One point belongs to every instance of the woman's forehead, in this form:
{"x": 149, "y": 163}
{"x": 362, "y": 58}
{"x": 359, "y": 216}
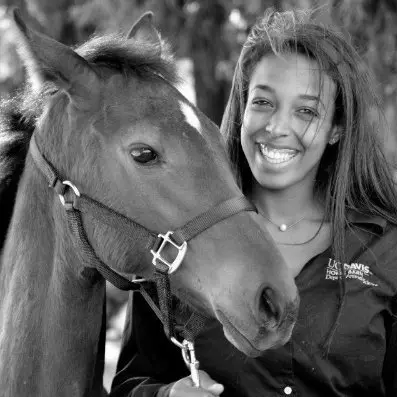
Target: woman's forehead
{"x": 295, "y": 73}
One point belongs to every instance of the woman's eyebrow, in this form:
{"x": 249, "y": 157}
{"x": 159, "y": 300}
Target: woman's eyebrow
{"x": 315, "y": 98}
{"x": 263, "y": 87}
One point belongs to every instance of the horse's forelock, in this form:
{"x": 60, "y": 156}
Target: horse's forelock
{"x": 128, "y": 57}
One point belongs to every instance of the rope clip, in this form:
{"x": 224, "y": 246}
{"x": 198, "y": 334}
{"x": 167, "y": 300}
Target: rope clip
{"x": 189, "y": 356}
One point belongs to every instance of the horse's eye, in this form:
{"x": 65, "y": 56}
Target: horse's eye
{"x": 144, "y": 155}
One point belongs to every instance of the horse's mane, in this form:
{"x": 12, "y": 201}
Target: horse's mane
{"x": 15, "y": 133}
{"x": 18, "y": 115}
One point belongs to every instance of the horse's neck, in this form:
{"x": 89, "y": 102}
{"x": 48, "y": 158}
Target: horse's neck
{"x": 50, "y": 319}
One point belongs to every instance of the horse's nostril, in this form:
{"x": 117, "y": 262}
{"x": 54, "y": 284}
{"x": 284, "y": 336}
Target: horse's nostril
{"x": 267, "y": 304}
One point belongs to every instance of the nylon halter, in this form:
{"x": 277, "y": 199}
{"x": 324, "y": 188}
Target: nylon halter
{"x": 76, "y": 204}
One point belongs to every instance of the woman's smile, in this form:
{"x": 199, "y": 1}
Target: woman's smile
{"x": 277, "y": 155}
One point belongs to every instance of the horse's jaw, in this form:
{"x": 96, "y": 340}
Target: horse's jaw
{"x": 253, "y": 344}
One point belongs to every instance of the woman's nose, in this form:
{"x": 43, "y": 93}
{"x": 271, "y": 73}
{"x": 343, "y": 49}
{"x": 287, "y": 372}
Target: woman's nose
{"x": 278, "y": 124}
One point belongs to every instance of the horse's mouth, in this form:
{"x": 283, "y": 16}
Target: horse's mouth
{"x": 255, "y": 347}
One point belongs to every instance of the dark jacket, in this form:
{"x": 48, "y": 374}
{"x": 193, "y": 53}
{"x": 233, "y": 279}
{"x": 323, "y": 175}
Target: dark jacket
{"x": 337, "y": 348}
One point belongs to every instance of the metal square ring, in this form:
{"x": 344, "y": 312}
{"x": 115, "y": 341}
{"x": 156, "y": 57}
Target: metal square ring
{"x": 179, "y": 257}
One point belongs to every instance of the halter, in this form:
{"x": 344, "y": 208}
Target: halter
{"x": 76, "y": 204}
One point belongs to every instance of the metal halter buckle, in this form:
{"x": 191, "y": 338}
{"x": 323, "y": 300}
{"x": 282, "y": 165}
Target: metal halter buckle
{"x": 179, "y": 257}
{"x": 73, "y": 187}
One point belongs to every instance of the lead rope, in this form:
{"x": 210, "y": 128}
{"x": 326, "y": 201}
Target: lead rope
{"x": 188, "y": 332}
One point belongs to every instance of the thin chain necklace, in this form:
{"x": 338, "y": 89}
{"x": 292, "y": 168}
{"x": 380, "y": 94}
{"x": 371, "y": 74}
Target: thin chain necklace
{"x": 307, "y": 241}
{"x": 283, "y": 227}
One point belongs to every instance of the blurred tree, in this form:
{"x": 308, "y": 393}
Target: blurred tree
{"x": 213, "y": 32}
{"x": 207, "y": 50}
{"x": 372, "y": 25}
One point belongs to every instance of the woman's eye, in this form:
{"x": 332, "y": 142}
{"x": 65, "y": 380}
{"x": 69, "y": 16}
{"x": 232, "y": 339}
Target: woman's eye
{"x": 143, "y": 155}
{"x": 308, "y": 112}
{"x": 262, "y": 102}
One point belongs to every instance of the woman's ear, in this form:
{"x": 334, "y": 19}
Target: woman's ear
{"x": 335, "y": 135}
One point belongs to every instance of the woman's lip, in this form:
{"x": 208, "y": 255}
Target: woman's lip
{"x": 274, "y": 147}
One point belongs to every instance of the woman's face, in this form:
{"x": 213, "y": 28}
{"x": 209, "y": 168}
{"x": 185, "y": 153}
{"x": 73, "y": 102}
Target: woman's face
{"x": 287, "y": 97}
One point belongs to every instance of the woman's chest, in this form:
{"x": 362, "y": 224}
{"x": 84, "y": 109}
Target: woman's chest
{"x": 343, "y": 309}
{"x": 297, "y": 252}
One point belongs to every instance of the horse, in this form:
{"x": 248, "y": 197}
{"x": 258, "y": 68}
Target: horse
{"x": 107, "y": 119}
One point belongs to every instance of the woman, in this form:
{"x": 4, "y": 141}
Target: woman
{"x": 303, "y": 129}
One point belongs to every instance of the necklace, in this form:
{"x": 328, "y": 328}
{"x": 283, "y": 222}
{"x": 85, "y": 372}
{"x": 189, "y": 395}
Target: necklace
{"x": 283, "y": 227}
{"x": 307, "y": 241}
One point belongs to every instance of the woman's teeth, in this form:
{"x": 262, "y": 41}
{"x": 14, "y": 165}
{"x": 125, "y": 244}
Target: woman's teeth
{"x": 277, "y": 156}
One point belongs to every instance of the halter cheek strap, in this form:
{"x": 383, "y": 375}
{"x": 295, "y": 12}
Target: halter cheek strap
{"x": 76, "y": 204}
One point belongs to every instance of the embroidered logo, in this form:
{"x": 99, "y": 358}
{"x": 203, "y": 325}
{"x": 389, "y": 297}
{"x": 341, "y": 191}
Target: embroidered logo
{"x": 356, "y": 271}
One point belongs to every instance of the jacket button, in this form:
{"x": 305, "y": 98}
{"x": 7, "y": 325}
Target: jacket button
{"x": 287, "y": 390}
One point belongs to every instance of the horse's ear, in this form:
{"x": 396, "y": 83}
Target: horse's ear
{"x": 47, "y": 60}
{"x": 144, "y": 30}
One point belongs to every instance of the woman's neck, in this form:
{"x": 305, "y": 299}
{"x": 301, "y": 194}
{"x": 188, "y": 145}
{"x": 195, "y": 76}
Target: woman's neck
{"x": 286, "y": 205}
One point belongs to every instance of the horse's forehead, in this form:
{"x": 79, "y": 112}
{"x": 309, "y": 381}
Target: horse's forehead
{"x": 162, "y": 104}
{"x": 191, "y": 116}
{"x": 143, "y": 97}
{"x": 179, "y": 116}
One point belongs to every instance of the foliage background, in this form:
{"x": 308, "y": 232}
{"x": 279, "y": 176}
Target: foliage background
{"x": 206, "y": 36}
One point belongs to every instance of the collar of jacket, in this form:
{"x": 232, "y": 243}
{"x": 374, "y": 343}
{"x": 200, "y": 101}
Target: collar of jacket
{"x": 373, "y": 223}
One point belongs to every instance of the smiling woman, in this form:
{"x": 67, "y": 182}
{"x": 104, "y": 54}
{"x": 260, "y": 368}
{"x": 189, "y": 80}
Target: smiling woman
{"x": 303, "y": 130}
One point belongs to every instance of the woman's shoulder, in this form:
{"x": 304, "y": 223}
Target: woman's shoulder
{"x": 376, "y": 233}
